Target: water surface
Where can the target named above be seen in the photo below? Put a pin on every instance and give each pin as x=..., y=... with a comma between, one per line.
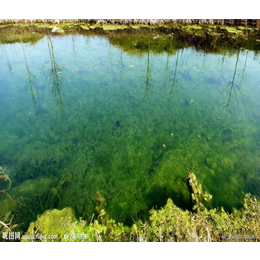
x=79, y=115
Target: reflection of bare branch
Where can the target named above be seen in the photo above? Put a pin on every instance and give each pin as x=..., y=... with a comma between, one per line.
x=121, y=67
x=73, y=47
x=148, y=71
x=166, y=70
x=232, y=86
x=243, y=72
x=31, y=77
x=55, y=74
x=9, y=64
x=174, y=80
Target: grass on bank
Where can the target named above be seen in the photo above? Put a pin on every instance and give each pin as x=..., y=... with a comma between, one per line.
x=168, y=224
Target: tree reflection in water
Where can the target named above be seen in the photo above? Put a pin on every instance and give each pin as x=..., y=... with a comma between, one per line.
x=55, y=76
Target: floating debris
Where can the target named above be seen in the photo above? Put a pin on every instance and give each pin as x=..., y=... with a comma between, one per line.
x=131, y=66
x=54, y=29
x=117, y=124
x=57, y=30
x=164, y=145
x=171, y=134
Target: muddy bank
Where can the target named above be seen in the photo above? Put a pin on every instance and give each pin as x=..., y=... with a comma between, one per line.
x=167, y=37
x=228, y=22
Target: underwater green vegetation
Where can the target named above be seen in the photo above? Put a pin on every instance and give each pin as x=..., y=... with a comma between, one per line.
x=167, y=224
x=100, y=127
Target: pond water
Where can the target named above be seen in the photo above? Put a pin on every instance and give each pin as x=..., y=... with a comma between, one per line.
x=80, y=115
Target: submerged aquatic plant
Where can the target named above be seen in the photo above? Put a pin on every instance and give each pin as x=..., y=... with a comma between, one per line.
x=5, y=185
x=198, y=196
x=5, y=181
x=6, y=226
x=100, y=202
x=170, y=223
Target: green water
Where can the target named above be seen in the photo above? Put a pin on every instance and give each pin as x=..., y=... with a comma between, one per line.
x=79, y=115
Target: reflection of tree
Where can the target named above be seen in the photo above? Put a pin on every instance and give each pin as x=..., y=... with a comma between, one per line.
x=74, y=47
x=148, y=70
x=55, y=74
x=8, y=62
x=231, y=87
x=174, y=79
x=166, y=70
x=168, y=79
x=243, y=72
x=121, y=67
x=31, y=77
